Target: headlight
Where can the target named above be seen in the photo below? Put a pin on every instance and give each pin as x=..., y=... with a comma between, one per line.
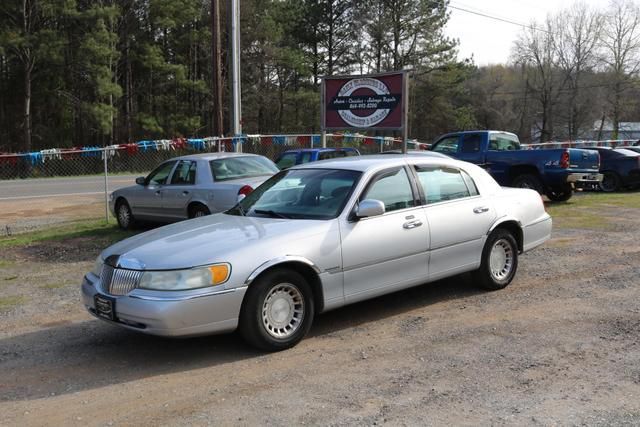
x=179, y=280
x=97, y=267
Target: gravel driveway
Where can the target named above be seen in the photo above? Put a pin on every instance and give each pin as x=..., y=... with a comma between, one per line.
x=560, y=345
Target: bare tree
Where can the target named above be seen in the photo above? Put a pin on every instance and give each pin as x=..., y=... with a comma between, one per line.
x=576, y=43
x=620, y=52
x=535, y=49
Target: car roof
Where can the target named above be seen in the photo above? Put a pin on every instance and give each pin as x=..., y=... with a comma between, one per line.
x=464, y=132
x=375, y=161
x=303, y=150
x=214, y=156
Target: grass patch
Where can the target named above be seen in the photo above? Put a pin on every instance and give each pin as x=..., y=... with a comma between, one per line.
x=6, y=264
x=585, y=211
x=9, y=302
x=105, y=233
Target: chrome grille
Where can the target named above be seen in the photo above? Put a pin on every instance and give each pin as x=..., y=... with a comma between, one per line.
x=118, y=281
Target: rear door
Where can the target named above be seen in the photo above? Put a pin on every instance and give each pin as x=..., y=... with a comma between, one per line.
x=179, y=192
x=458, y=216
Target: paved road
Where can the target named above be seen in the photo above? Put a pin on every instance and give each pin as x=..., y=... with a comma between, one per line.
x=60, y=187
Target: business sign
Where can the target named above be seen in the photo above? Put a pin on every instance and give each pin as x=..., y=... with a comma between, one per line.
x=364, y=102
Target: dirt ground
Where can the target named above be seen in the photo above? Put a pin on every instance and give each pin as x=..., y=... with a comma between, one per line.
x=560, y=345
x=19, y=216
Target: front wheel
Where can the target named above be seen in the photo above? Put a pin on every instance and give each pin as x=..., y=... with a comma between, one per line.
x=560, y=194
x=124, y=215
x=499, y=261
x=278, y=310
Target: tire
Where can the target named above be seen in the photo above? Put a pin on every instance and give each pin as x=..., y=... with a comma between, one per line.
x=610, y=182
x=500, y=249
x=197, y=211
x=560, y=194
x=527, y=180
x=278, y=310
x=124, y=215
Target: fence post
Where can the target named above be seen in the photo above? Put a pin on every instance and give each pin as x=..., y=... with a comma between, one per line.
x=106, y=186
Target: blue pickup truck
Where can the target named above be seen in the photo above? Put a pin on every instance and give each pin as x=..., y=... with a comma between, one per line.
x=551, y=172
x=305, y=155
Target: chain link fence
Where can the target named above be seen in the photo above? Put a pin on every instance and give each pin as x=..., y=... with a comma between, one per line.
x=59, y=185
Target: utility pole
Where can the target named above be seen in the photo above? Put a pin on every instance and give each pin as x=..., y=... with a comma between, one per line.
x=234, y=36
x=218, y=129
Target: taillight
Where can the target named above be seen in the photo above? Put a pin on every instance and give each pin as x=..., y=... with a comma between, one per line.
x=564, y=160
x=245, y=190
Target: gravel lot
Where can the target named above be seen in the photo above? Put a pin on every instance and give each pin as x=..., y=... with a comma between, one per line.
x=560, y=345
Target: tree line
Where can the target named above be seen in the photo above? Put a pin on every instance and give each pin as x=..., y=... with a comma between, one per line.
x=99, y=72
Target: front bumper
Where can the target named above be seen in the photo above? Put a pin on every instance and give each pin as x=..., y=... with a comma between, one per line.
x=176, y=314
x=584, y=178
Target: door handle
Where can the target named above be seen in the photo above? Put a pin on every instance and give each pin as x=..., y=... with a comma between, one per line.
x=481, y=209
x=184, y=193
x=412, y=224
x=159, y=192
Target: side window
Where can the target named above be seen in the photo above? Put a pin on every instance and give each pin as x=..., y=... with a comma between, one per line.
x=185, y=173
x=441, y=184
x=393, y=189
x=471, y=142
x=447, y=145
x=305, y=158
x=286, y=161
x=160, y=174
x=473, y=190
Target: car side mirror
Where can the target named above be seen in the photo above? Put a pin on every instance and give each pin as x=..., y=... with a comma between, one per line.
x=140, y=180
x=369, y=207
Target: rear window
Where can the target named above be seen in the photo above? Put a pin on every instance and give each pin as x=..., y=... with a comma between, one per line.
x=627, y=152
x=503, y=142
x=241, y=167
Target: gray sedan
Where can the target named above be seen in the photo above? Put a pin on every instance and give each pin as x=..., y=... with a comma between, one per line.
x=313, y=238
x=190, y=186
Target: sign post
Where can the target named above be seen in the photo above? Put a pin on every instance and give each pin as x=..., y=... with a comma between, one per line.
x=369, y=102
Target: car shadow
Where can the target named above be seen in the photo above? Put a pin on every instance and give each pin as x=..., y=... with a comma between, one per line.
x=72, y=357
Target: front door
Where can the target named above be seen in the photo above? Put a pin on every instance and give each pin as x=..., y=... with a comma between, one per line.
x=147, y=203
x=389, y=251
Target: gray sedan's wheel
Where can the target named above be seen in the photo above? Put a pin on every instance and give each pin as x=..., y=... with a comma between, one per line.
x=124, y=215
x=278, y=310
x=499, y=261
x=610, y=182
x=198, y=211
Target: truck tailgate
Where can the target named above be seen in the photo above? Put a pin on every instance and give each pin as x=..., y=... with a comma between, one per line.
x=584, y=159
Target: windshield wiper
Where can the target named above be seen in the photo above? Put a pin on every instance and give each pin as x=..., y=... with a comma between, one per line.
x=271, y=213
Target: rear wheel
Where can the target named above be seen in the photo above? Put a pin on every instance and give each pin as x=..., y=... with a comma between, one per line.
x=278, y=310
x=124, y=215
x=499, y=261
x=610, y=182
x=560, y=194
x=197, y=211
x=527, y=180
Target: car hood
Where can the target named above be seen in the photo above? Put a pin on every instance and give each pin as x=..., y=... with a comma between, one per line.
x=210, y=239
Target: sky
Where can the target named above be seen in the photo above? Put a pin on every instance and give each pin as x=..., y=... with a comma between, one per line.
x=490, y=40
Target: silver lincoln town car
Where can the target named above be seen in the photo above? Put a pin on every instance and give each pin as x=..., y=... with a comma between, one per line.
x=313, y=238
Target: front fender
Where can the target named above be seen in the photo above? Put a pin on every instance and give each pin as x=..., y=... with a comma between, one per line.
x=279, y=260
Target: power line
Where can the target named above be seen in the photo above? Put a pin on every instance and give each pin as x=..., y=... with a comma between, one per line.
x=497, y=18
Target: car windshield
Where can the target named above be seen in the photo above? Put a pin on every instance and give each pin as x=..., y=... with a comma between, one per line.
x=300, y=194
x=241, y=167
